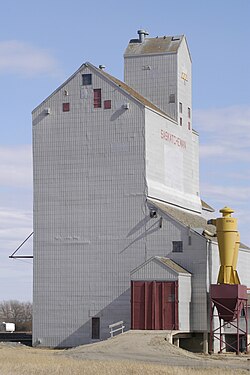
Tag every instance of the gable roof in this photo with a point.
(129, 90)
(173, 265)
(165, 44)
(163, 261)
(187, 219)
(121, 85)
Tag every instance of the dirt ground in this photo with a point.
(152, 347)
(134, 352)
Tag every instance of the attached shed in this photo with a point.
(160, 296)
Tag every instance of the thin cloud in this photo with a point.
(231, 119)
(16, 166)
(231, 193)
(224, 132)
(22, 58)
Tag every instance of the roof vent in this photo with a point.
(142, 34)
(177, 37)
(47, 111)
(125, 106)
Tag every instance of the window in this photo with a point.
(172, 98)
(97, 98)
(189, 112)
(180, 107)
(177, 246)
(95, 329)
(86, 79)
(180, 121)
(189, 125)
(189, 240)
(66, 107)
(107, 104)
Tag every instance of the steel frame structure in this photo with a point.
(217, 333)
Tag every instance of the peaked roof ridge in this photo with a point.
(129, 90)
(155, 45)
(172, 264)
(164, 261)
(186, 218)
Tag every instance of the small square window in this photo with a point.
(107, 104)
(86, 79)
(177, 247)
(66, 107)
(180, 121)
(180, 107)
(172, 98)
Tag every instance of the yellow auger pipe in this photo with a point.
(229, 242)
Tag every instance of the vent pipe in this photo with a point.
(142, 34)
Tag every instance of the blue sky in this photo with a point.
(43, 43)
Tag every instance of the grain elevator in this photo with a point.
(120, 229)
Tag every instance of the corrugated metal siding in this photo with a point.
(169, 163)
(88, 193)
(193, 258)
(156, 83)
(185, 298)
(153, 270)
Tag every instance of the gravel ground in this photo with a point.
(152, 347)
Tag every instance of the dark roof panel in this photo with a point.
(188, 219)
(172, 265)
(165, 44)
(184, 217)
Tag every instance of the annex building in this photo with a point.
(118, 218)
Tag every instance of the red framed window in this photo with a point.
(107, 104)
(66, 107)
(97, 98)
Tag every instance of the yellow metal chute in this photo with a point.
(229, 242)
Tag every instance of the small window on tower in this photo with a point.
(172, 98)
(107, 104)
(180, 121)
(177, 247)
(86, 79)
(180, 107)
(66, 107)
(189, 112)
(189, 125)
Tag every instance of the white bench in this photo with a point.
(114, 325)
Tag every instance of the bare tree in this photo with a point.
(17, 312)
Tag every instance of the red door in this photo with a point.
(154, 305)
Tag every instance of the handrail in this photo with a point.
(112, 326)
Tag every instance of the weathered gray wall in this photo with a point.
(89, 212)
